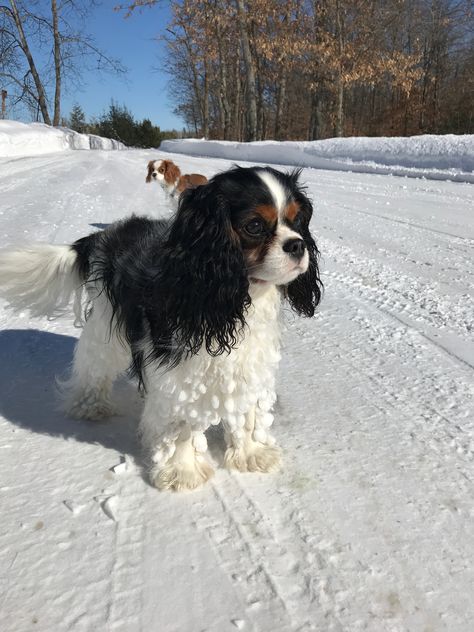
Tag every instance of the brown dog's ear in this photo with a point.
(172, 171)
(150, 170)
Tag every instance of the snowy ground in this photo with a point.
(369, 524)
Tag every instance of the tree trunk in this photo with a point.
(42, 104)
(316, 116)
(237, 104)
(250, 73)
(281, 97)
(340, 108)
(223, 98)
(57, 65)
(198, 98)
(205, 103)
(339, 81)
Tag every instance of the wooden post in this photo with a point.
(4, 103)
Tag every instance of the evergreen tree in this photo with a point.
(118, 123)
(77, 119)
(148, 135)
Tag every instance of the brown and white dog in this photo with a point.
(168, 175)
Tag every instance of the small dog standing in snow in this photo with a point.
(168, 175)
(192, 306)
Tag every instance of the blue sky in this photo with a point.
(144, 91)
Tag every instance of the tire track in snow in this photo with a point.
(280, 572)
(50, 206)
(397, 220)
(407, 397)
(428, 338)
(444, 386)
(378, 187)
(378, 285)
(239, 539)
(437, 397)
(22, 167)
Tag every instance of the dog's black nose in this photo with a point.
(295, 248)
(154, 175)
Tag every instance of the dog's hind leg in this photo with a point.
(99, 358)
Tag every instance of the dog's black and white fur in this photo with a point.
(192, 306)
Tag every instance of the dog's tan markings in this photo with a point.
(268, 212)
(291, 211)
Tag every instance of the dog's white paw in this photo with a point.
(253, 457)
(181, 476)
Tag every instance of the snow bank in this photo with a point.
(447, 157)
(28, 139)
(99, 142)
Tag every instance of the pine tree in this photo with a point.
(148, 135)
(77, 119)
(118, 123)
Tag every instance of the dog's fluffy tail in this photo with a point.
(40, 278)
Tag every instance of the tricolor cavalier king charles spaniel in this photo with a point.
(191, 306)
(168, 175)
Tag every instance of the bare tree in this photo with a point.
(249, 70)
(57, 63)
(292, 69)
(22, 40)
(48, 27)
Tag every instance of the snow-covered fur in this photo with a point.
(192, 307)
(237, 388)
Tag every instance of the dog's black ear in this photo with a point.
(203, 286)
(304, 293)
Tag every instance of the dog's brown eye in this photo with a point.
(255, 227)
(160, 170)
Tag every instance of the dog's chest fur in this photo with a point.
(203, 389)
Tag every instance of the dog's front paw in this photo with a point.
(253, 457)
(264, 458)
(181, 476)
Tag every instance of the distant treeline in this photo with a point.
(119, 123)
(294, 69)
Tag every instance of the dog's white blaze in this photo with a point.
(159, 176)
(275, 188)
(284, 233)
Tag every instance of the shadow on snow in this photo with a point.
(30, 362)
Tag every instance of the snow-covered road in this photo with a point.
(369, 524)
